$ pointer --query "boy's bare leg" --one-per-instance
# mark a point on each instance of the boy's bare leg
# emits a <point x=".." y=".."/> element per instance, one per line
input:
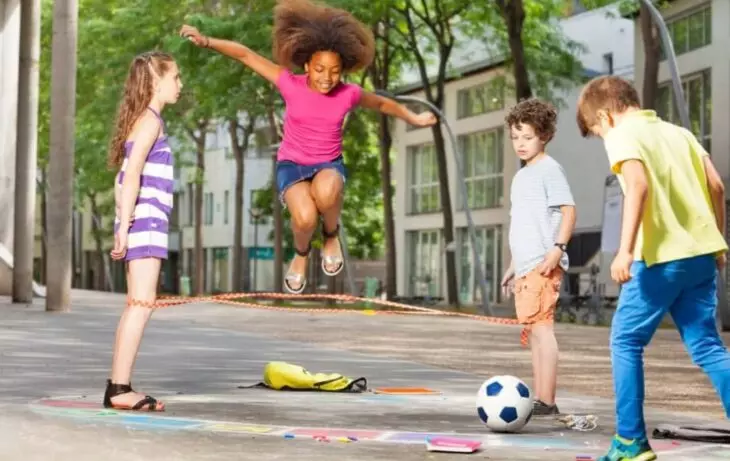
<point x="547" y="362"/>
<point x="536" y="370"/>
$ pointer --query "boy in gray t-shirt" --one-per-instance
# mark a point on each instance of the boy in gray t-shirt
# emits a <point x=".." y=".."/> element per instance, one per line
<point x="541" y="223"/>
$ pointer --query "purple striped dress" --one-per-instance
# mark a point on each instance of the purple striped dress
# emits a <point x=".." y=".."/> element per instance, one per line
<point x="148" y="236"/>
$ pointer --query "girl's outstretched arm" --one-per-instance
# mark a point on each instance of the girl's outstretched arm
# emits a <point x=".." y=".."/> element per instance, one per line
<point x="259" y="64"/>
<point x="390" y="107"/>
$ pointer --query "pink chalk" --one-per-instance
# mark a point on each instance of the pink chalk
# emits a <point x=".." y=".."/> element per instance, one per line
<point x="452" y="445"/>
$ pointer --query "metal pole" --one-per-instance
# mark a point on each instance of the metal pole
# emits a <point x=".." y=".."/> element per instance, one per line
<point x="723" y="308"/>
<point x="255" y="250"/>
<point x="486" y="308"/>
<point x="26" y="152"/>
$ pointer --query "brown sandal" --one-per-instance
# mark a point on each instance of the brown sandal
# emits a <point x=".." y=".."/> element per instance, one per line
<point x="146" y="404"/>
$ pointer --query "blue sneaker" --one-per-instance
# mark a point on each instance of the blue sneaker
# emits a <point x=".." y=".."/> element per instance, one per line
<point x="629" y="450"/>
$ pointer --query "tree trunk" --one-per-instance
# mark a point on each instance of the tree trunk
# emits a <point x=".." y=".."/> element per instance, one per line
<point x="380" y="74"/>
<point x="513" y="12"/>
<point x="386" y="141"/>
<point x="98" y="282"/>
<point x="61" y="163"/>
<point x="652" y="54"/>
<point x="452" y="297"/>
<point x="238" y="207"/>
<point x="199" y="179"/>
<point x="277" y="210"/>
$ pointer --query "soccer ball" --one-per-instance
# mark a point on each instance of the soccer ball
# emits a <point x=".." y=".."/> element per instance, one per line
<point x="504" y="403"/>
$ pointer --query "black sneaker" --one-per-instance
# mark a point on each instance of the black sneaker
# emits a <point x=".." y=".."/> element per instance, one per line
<point x="540" y="408"/>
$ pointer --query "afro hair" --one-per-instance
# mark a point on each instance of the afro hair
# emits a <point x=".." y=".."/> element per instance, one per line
<point x="303" y="28"/>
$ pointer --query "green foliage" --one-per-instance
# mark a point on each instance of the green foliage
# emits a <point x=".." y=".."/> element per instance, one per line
<point x="112" y="32"/>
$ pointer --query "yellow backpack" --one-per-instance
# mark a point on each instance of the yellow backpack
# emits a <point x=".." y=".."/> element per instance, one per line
<point x="286" y="376"/>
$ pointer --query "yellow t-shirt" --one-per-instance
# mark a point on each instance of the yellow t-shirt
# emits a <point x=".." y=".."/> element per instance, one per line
<point x="678" y="221"/>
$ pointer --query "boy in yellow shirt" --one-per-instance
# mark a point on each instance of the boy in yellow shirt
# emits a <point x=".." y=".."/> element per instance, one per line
<point x="671" y="247"/>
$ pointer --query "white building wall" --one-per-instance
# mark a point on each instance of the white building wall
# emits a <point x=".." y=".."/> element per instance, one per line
<point x="602" y="32"/>
<point x="219" y="177"/>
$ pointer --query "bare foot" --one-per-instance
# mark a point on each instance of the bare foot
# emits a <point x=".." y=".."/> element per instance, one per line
<point x="130" y="399"/>
<point x="332" y="254"/>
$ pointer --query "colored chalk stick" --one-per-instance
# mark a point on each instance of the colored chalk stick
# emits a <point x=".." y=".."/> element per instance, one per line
<point x="406" y="391"/>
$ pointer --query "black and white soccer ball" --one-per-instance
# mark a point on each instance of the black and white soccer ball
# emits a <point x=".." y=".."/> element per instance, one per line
<point x="504" y="403"/>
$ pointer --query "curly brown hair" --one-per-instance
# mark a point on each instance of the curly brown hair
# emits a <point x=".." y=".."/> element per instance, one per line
<point x="609" y="93"/>
<point x="138" y="89"/>
<point x="302" y="28"/>
<point x="540" y="115"/>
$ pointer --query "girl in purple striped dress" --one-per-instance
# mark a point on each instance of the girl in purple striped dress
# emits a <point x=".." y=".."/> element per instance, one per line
<point x="143" y="189"/>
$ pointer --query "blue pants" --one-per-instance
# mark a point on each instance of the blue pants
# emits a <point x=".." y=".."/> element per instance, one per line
<point x="687" y="290"/>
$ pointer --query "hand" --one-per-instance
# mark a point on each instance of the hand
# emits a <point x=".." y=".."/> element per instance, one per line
<point x="621" y="267"/>
<point x="508" y="283"/>
<point x="721" y="261"/>
<point x="194" y="35"/>
<point x="550" y="262"/>
<point x="424" y="119"/>
<point x="120" y="243"/>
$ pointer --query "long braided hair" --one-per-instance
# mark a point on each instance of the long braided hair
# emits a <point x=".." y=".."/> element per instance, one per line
<point x="138" y="89"/>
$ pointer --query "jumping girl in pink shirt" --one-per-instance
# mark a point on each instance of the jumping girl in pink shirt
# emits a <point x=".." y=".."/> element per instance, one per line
<point x="327" y="43"/>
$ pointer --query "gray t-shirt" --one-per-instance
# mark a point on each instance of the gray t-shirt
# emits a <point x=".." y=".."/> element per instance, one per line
<point x="538" y="191"/>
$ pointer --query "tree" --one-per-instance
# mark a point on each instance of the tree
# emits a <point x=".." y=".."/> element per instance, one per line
<point x="543" y="62"/>
<point x="242" y="98"/>
<point x="650" y="40"/>
<point x="389" y="58"/>
<point x="428" y="25"/>
<point x="275" y="127"/>
<point x="513" y="12"/>
<point x="194" y="115"/>
<point x="652" y="55"/>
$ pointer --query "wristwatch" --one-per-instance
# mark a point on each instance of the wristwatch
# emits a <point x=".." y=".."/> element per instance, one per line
<point x="563" y="247"/>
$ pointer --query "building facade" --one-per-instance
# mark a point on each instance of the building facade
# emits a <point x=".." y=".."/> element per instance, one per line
<point x="700" y="39"/>
<point x="475" y="106"/>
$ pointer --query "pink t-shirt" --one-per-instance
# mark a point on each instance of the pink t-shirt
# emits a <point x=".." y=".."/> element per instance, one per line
<point x="313" y="121"/>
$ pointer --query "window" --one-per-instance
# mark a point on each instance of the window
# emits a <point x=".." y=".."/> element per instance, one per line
<point x="220" y="270"/>
<point x="226" y="199"/>
<point x="423" y="180"/>
<point x="208" y="208"/>
<point x="691" y="31"/>
<point x="608" y="63"/>
<point x="189" y="195"/>
<point x="482" y="155"/>
<point x="697" y="93"/>
<point x="481" y="99"/>
<point x="425" y="267"/>
<point x="175" y="214"/>
<point x="489" y="245"/>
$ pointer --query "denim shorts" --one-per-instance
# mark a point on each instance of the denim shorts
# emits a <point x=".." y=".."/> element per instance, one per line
<point x="289" y="173"/>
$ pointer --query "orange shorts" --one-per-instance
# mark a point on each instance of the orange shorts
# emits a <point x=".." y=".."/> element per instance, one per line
<point x="536" y="297"/>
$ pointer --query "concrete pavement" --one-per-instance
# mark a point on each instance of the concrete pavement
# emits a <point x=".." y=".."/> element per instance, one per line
<point x="53" y="368"/>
